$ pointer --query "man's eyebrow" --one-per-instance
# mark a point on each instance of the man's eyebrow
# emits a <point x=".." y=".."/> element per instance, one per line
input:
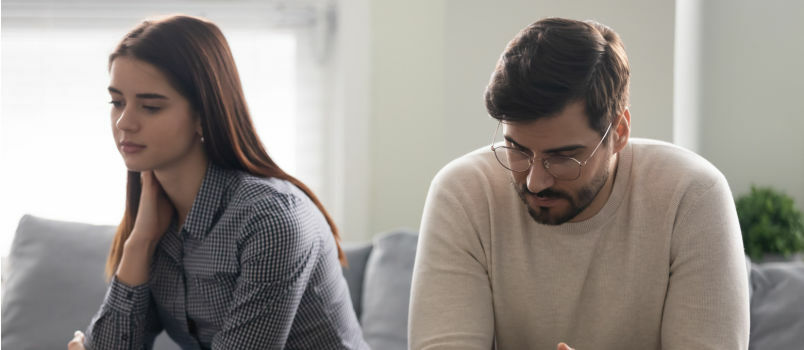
<point x="567" y="148"/>
<point x="142" y="96"/>
<point x="511" y="140"/>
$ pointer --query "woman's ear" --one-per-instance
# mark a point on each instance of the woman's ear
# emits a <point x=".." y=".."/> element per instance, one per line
<point x="622" y="131"/>
<point x="198" y="129"/>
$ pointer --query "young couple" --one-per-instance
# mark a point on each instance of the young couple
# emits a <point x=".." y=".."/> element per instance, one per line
<point x="602" y="242"/>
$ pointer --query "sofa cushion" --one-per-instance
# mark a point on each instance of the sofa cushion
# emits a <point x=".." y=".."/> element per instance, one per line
<point x="55" y="283"/>
<point x="777" y="305"/>
<point x="386" y="290"/>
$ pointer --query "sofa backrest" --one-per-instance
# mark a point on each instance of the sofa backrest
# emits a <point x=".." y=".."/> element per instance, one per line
<point x="357" y="255"/>
<point x="386" y="290"/>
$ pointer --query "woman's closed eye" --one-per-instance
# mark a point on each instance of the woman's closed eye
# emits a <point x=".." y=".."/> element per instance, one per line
<point x="151" y="109"/>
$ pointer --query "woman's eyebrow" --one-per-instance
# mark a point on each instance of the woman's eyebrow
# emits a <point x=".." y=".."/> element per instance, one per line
<point x="151" y="95"/>
<point x="142" y="96"/>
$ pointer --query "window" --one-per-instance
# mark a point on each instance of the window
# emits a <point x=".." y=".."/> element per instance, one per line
<point x="57" y="154"/>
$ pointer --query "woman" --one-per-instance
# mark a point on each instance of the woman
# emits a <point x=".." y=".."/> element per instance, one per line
<point x="218" y="246"/>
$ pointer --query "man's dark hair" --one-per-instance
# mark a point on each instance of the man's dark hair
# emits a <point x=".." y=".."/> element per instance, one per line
<point x="555" y="62"/>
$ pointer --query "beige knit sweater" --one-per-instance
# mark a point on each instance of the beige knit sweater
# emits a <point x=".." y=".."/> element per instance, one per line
<point x="660" y="266"/>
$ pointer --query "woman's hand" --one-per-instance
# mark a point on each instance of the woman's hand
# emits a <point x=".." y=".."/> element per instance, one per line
<point x="77" y="343"/>
<point x="564" y="346"/>
<point x="154" y="213"/>
<point x="153" y="219"/>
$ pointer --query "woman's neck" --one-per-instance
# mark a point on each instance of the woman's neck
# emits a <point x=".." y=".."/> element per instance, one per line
<point x="182" y="182"/>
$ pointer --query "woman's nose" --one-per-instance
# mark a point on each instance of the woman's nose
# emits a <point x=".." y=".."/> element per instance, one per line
<point x="125" y="121"/>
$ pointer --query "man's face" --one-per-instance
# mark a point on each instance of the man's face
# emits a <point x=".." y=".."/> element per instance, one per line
<point x="549" y="200"/>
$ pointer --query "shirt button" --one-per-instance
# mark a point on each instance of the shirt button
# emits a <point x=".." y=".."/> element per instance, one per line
<point x="124" y="337"/>
<point x="129" y="295"/>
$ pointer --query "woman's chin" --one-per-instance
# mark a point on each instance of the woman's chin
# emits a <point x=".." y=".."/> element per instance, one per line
<point x="133" y="166"/>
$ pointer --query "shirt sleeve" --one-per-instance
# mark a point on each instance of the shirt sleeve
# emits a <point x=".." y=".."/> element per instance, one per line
<point x="126" y="319"/>
<point x="451" y="301"/>
<point x="707" y="305"/>
<point x="277" y="259"/>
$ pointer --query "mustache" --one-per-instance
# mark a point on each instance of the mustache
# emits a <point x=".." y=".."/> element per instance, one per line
<point x="546" y="193"/>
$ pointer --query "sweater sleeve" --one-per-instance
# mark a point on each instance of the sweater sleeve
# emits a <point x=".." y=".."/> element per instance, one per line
<point x="451" y="303"/>
<point x="126" y="319"/>
<point x="707" y="305"/>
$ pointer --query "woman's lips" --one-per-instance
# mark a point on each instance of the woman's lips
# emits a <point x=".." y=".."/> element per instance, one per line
<point x="130" y="147"/>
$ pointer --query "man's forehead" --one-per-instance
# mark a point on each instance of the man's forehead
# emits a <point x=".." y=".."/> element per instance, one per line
<point x="549" y="132"/>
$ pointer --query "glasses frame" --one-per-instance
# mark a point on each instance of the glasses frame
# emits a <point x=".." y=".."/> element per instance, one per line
<point x="545" y="162"/>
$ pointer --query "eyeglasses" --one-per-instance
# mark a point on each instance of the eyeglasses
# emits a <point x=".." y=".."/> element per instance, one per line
<point x="561" y="168"/>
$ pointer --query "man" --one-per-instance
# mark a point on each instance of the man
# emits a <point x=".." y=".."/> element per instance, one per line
<point x="565" y="230"/>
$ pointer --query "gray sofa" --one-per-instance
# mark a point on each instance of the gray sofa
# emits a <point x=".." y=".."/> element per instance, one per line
<point x="54" y="284"/>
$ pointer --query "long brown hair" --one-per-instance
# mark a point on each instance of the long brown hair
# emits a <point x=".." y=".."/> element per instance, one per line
<point x="195" y="57"/>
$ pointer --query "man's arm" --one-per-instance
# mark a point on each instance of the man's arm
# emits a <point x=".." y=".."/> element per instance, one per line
<point x="451" y="303"/>
<point x="707" y="304"/>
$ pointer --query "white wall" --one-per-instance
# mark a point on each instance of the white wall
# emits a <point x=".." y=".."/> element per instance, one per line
<point x="407" y="108"/>
<point x="739" y="91"/>
<point x="752" y="109"/>
<point x="431" y="60"/>
<point x="349" y="172"/>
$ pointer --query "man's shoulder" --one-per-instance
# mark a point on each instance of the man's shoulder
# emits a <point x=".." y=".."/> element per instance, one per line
<point x="662" y="162"/>
<point x="477" y="165"/>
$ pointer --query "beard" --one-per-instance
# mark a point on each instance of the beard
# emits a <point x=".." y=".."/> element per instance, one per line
<point x="577" y="203"/>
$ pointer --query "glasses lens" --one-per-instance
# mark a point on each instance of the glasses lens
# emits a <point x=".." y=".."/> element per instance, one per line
<point x="563" y="168"/>
<point x="512" y="159"/>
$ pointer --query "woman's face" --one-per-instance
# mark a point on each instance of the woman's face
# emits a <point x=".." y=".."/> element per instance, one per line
<point x="154" y="126"/>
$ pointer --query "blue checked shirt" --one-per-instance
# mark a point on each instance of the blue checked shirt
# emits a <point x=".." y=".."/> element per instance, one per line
<point x="253" y="267"/>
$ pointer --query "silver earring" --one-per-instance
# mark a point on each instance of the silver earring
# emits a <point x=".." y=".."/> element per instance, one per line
<point x="202" y="139"/>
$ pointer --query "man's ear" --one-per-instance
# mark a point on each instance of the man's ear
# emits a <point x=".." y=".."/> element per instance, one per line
<point x="622" y="130"/>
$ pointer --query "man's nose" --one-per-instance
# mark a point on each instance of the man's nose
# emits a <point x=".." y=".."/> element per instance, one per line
<point x="538" y="178"/>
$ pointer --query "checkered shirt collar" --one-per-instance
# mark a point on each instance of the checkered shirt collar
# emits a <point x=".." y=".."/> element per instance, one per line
<point x="209" y="202"/>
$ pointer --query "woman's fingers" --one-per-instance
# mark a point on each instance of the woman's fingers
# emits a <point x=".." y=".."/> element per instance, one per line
<point x="564" y="346"/>
<point x="77" y="343"/>
<point x="154" y="212"/>
<point x="147" y="178"/>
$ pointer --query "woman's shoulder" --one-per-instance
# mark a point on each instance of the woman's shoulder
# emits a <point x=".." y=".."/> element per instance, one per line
<point x="267" y="203"/>
<point x="252" y="192"/>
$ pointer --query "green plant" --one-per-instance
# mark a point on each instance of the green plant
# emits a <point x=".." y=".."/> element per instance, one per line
<point x="770" y="222"/>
